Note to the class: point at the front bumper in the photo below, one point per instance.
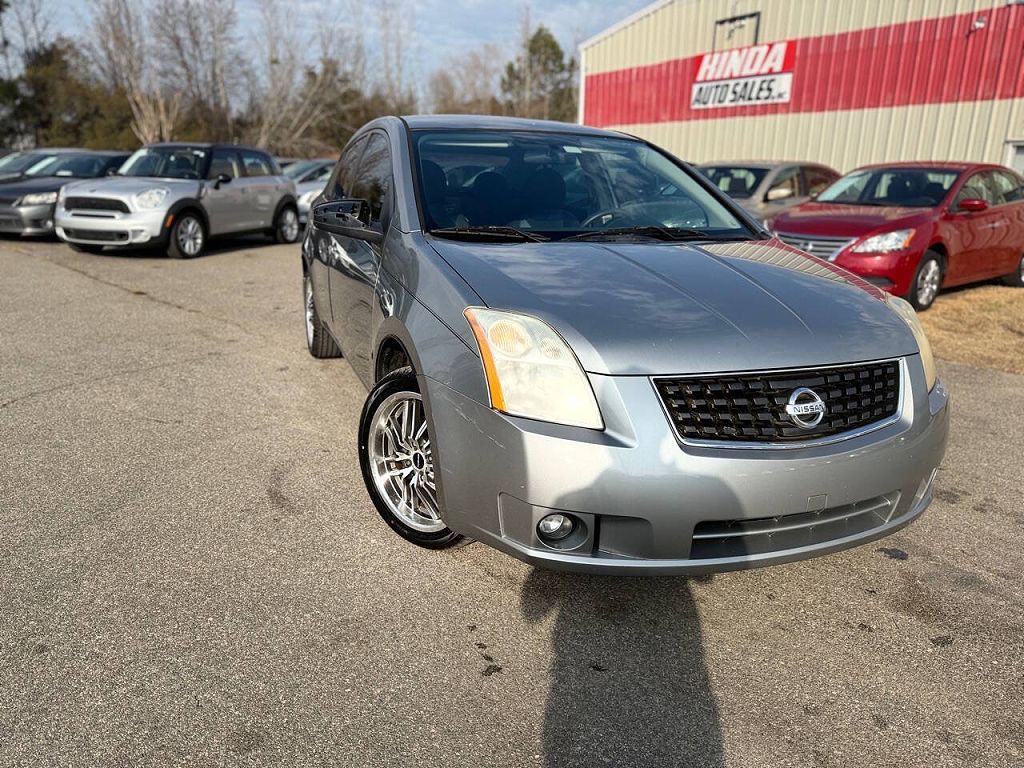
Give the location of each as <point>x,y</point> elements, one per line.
<point>893,272</point>
<point>27,220</point>
<point>646,501</point>
<point>110,227</point>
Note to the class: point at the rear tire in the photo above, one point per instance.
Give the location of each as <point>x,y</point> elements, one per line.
<point>286,225</point>
<point>79,248</point>
<point>187,237</point>
<point>927,281</point>
<point>1016,279</point>
<point>397,461</point>
<point>319,342</point>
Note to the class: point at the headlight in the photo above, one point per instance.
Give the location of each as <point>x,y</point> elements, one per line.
<point>927,358</point>
<point>886,242</point>
<point>531,371</point>
<point>39,198</point>
<point>151,198</point>
<point>306,198</point>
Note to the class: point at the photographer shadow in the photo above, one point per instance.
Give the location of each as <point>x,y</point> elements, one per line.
<point>629,686</point>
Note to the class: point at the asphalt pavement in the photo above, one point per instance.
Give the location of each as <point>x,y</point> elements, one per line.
<point>191,573</point>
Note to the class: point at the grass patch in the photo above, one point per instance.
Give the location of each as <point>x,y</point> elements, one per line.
<point>981,325</point>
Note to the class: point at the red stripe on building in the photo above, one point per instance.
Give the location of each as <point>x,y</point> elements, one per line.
<point>930,61</point>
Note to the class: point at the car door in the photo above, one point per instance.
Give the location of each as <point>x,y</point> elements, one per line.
<point>325,249</point>
<point>354,272</point>
<point>259,188</point>
<point>970,248</point>
<point>1008,195</point>
<point>225,201</point>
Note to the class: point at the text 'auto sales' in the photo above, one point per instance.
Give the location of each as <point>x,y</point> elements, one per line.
<point>757,74</point>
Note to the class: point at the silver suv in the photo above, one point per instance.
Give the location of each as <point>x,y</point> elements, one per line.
<point>177,196</point>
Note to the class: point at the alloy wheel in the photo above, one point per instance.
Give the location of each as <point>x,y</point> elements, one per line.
<point>928,283</point>
<point>307,290</point>
<point>289,225</point>
<point>402,463</point>
<point>190,236</point>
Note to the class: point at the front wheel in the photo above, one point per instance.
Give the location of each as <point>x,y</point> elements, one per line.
<point>286,226</point>
<point>188,237</point>
<point>927,281</point>
<point>1016,278</point>
<point>397,459</point>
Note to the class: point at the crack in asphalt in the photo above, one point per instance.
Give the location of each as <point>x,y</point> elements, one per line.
<point>106,377</point>
<point>157,300</point>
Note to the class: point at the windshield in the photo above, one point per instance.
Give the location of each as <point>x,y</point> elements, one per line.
<point>901,187</point>
<point>19,162</point>
<point>738,182</point>
<point>560,185</point>
<point>76,166</point>
<point>166,162</point>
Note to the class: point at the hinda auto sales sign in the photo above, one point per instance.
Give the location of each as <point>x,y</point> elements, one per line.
<point>757,74</point>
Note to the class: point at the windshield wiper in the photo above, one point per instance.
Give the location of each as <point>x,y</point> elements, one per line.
<point>658,233</point>
<point>497,233</point>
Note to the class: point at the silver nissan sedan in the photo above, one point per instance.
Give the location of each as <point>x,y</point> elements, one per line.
<point>580,352</point>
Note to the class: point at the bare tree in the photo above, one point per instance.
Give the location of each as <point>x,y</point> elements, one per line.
<point>25,26</point>
<point>288,93</point>
<point>468,83</point>
<point>194,40</point>
<point>396,25</point>
<point>119,50</point>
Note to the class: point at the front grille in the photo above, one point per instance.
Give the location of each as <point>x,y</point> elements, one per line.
<point>751,407</point>
<point>94,204</point>
<point>96,235</point>
<point>822,247</point>
<point>739,538</point>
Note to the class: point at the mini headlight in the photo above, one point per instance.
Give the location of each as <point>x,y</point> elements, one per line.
<point>306,198</point>
<point>531,371</point>
<point>151,198</point>
<point>39,198</point>
<point>907,312</point>
<point>887,242</point>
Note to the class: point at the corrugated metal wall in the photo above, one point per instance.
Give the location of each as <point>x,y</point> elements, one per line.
<point>904,54</point>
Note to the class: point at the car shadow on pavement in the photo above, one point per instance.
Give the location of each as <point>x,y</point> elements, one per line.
<point>629,686</point>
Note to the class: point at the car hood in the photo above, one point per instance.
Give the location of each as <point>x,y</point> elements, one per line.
<point>126,186</point>
<point>645,309</point>
<point>27,186</point>
<point>833,220</point>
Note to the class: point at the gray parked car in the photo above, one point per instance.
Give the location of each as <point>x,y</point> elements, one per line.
<point>309,177</point>
<point>27,204</point>
<point>578,351</point>
<point>177,196</point>
<point>765,188</point>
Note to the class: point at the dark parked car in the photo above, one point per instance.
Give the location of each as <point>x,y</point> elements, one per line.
<point>580,353</point>
<point>27,204</point>
<point>767,188</point>
<point>17,164</point>
<point>913,228</point>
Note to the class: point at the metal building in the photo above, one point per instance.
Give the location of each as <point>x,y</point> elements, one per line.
<point>844,82</point>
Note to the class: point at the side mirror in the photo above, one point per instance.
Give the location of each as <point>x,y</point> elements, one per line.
<point>973,205</point>
<point>779,193</point>
<point>222,178</point>
<point>349,217</point>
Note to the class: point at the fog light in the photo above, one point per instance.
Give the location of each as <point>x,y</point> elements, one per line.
<point>555,527</point>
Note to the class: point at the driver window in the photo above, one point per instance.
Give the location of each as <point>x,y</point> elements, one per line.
<point>974,187</point>
<point>786,185</point>
<point>224,162</point>
<point>373,182</point>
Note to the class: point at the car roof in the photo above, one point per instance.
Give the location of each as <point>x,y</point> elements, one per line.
<point>938,164</point>
<point>759,163</point>
<point>499,123</point>
<point>204,145</point>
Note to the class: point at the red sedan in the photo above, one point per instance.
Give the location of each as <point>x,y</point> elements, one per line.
<point>913,228</point>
